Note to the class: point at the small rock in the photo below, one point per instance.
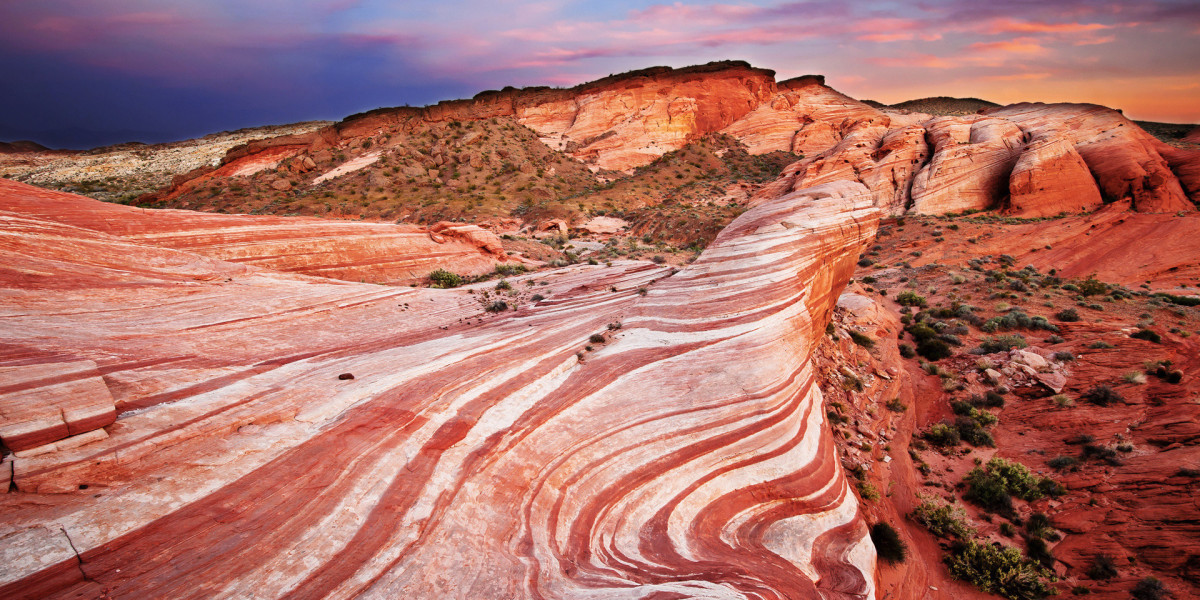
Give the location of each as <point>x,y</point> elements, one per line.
<point>345,376</point>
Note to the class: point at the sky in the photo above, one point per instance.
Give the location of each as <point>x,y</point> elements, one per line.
<point>81,73</point>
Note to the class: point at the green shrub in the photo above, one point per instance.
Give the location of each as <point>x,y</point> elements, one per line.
<point>909,298</point>
<point>934,349</point>
<point>1149,588</point>
<point>1038,551</point>
<point>907,351</point>
<point>998,570</point>
<point>497,306</point>
<point>1069,315</point>
<point>1092,287</point>
<point>1062,462</point>
<point>888,544</point>
<point>895,405</point>
<point>862,339</point>
<point>942,435</point>
<point>1146,334</point>
<point>1102,395</point>
<point>1001,343</point>
<point>942,520</point>
<point>1102,567</point>
<point>994,485</point>
<point>445,279</point>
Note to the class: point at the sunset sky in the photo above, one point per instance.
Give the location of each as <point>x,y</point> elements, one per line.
<point>80,73</point>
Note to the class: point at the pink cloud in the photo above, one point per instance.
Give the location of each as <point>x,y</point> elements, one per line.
<point>927,61</point>
<point>1021,45</point>
<point>1014,26</point>
<point>1018,77</point>
<point>1093,41</point>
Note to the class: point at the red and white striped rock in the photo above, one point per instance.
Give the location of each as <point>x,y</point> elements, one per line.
<point>350,250</point>
<point>473,455</point>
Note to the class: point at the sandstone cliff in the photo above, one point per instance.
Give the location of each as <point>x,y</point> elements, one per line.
<point>1028,160</point>
<point>464,453</point>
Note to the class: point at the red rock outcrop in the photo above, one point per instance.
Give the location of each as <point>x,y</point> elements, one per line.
<point>1028,159</point>
<point>473,454</point>
<point>1124,159</point>
<point>1051,178</point>
<point>355,251</point>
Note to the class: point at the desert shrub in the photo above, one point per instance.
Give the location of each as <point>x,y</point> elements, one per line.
<point>497,306</point>
<point>1101,345</point>
<point>1069,315</point>
<point>909,298</point>
<point>999,570</point>
<point>1092,287</point>
<point>1149,588</point>
<point>972,431</point>
<point>907,351</point>
<point>1146,334</point>
<point>1064,356</point>
<point>895,405</point>
<point>942,520</point>
<point>921,332</point>
<point>942,435</point>
<point>1102,395</point>
<point>1001,343</point>
<point>445,279</point>
<point>1180,300</point>
<point>508,270</point>
<point>867,491</point>
<point>1062,462</point>
<point>596,338</point>
<point>993,485</point>
<point>503,284</point>
<point>991,399</point>
<point>888,544</point>
<point>1037,551</point>
<point>934,349</point>
<point>1102,567</point>
<point>862,339</point>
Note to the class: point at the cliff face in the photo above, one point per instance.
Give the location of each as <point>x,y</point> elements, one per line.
<point>1029,160</point>
<point>680,450</point>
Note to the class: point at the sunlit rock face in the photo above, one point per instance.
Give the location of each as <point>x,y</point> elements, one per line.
<point>279,435</point>
<point>350,250</point>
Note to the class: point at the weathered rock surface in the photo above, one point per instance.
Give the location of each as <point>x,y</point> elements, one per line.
<point>354,251</point>
<point>473,455</point>
<point>1051,178</point>
<point>1125,160</point>
<point>1028,159</point>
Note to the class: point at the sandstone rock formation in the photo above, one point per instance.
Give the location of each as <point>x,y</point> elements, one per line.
<point>1030,160</point>
<point>354,251</point>
<point>680,450</point>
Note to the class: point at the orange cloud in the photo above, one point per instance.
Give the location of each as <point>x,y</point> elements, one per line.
<point>1022,45</point>
<point>1014,26</point>
<point>1018,77</point>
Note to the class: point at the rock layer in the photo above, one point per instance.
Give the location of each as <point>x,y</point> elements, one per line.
<point>472,454</point>
<point>354,251</point>
<point>1028,159</point>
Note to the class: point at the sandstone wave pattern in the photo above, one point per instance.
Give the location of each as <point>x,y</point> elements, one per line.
<point>631,431</point>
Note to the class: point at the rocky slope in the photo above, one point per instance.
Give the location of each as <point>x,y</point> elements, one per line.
<point>591,439</point>
<point>1025,160</point>
<point>122,173</point>
<point>354,251</point>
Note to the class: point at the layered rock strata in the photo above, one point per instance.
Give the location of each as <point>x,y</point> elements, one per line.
<point>629,432</point>
<point>350,250</point>
<point>1029,160</point>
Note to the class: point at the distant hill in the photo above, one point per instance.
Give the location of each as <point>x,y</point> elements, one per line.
<point>939,105</point>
